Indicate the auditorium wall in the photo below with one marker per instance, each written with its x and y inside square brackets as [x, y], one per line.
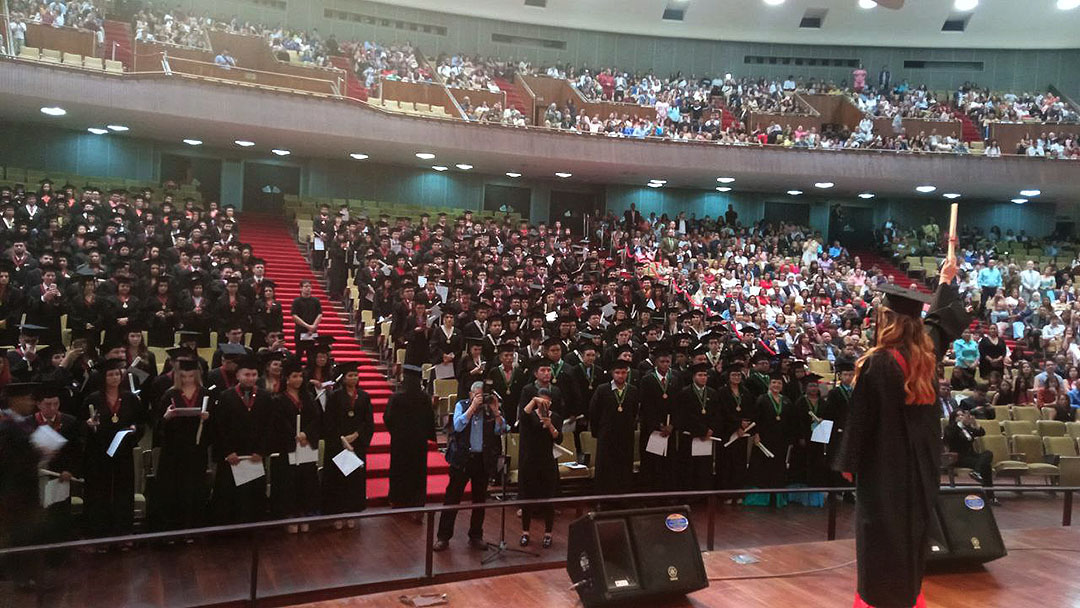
[1001, 69]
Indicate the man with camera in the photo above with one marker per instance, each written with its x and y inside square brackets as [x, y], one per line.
[960, 435]
[472, 451]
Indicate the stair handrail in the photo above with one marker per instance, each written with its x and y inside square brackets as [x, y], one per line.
[165, 67]
[9, 40]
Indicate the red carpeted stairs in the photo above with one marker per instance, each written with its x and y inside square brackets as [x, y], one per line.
[515, 97]
[271, 240]
[353, 87]
[118, 43]
[969, 131]
[727, 119]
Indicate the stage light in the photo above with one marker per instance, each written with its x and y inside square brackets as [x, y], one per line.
[439, 168]
[951, 195]
[281, 152]
[1067, 5]
[965, 5]
[425, 155]
[512, 174]
[1019, 201]
[53, 111]
[866, 195]
[794, 192]
[243, 143]
[117, 128]
[358, 156]
[98, 130]
[193, 142]
[824, 185]
[464, 166]
[867, 4]
[723, 189]
[725, 180]
[563, 175]
[925, 189]
[1030, 192]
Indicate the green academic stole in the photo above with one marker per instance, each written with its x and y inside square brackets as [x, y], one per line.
[778, 407]
[701, 397]
[620, 395]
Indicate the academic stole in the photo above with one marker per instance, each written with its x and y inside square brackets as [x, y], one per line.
[248, 403]
[555, 369]
[588, 375]
[620, 395]
[114, 407]
[778, 406]
[738, 400]
[352, 403]
[663, 380]
[701, 397]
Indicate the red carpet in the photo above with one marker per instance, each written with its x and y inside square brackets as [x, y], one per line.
[515, 97]
[118, 35]
[271, 240]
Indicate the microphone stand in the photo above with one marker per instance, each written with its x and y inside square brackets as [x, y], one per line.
[498, 549]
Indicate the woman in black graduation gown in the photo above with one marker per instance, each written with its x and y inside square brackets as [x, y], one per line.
[613, 420]
[11, 306]
[809, 460]
[294, 487]
[110, 480]
[697, 416]
[266, 315]
[180, 488]
[86, 311]
[538, 471]
[348, 423]
[892, 440]
[776, 430]
[161, 316]
[196, 309]
[409, 419]
[337, 270]
[736, 414]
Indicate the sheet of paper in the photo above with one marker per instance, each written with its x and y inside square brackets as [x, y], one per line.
[607, 310]
[442, 291]
[317, 244]
[421, 282]
[822, 432]
[187, 411]
[551, 316]
[444, 371]
[700, 447]
[47, 440]
[247, 471]
[347, 462]
[304, 454]
[139, 375]
[55, 491]
[117, 439]
[651, 305]
[304, 337]
[658, 444]
[550, 260]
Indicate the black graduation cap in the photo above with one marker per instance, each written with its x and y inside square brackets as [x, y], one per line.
[180, 352]
[552, 341]
[844, 365]
[625, 348]
[619, 364]
[700, 367]
[735, 367]
[907, 302]
[759, 356]
[507, 347]
[48, 352]
[49, 390]
[813, 378]
[292, 365]
[20, 389]
[269, 356]
[777, 375]
[29, 329]
[232, 352]
[713, 335]
[749, 329]
[699, 350]
[112, 364]
[322, 344]
[247, 362]
[539, 362]
[186, 335]
[188, 365]
[346, 367]
[111, 343]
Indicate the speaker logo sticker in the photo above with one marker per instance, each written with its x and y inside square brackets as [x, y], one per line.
[974, 502]
[677, 522]
[975, 544]
[673, 573]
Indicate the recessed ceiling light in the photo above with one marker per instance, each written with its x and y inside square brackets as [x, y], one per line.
[794, 192]
[951, 195]
[867, 3]
[824, 185]
[425, 155]
[117, 128]
[1067, 5]
[358, 156]
[725, 180]
[1019, 201]
[438, 168]
[193, 142]
[243, 143]
[1030, 192]
[281, 152]
[866, 195]
[53, 111]
[774, 2]
[563, 174]
[654, 185]
[723, 188]
[98, 130]
[512, 174]
[965, 5]
[658, 181]
[464, 166]
[925, 189]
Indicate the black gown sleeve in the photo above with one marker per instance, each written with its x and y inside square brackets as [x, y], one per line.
[871, 393]
[947, 318]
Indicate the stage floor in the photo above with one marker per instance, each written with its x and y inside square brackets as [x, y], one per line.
[1029, 577]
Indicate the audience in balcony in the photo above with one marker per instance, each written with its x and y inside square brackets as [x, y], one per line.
[478, 72]
[373, 62]
[172, 26]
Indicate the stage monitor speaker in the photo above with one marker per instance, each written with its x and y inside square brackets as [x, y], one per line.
[964, 531]
[619, 556]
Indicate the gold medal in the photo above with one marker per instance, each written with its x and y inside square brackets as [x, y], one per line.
[352, 413]
[115, 418]
[738, 408]
[778, 418]
[665, 395]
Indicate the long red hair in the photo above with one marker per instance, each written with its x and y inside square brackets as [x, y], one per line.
[906, 335]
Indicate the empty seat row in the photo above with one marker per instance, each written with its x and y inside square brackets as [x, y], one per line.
[71, 59]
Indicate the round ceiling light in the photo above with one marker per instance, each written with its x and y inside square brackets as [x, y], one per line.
[281, 152]
[512, 174]
[794, 192]
[463, 166]
[1067, 5]
[723, 189]
[53, 111]
[243, 143]
[117, 128]
[193, 142]
[867, 4]
[98, 130]
[866, 195]
[358, 156]
[1019, 201]
[774, 2]
[965, 5]
[439, 168]
[925, 189]
[824, 185]
[425, 155]
[563, 174]
[725, 180]
[951, 195]
[1031, 192]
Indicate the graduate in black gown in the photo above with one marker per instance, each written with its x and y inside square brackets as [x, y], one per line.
[538, 472]
[110, 480]
[613, 420]
[296, 423]
[697, 416]
[241, 424]
[67, 462]
[180, 489]
[737, 413]
[892, 440]
[659, 392]
[776, 430]
[810, 461]
[507, 379]
[348, 424]
[411, 423]
[835, 408]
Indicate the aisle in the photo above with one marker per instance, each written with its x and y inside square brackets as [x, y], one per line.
[272, 241]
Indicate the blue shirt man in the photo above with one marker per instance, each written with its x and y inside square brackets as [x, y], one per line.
[475, 421]
[990, 276]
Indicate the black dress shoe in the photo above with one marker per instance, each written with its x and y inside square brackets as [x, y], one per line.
[440, 545]
[477, 544]
[524, 542]
[976, 476]
[547, 542]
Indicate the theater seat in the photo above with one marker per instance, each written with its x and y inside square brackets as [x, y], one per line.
[30, 52]
[50, 55]
[1029, 413]
[1060, 446]
[1002, 412]
[1073, 429]
[1019, 427]
[1050, 428]
[93, 63]
[992, 427]
[1002, 464]
[1029, 448]
[1047, 413]
[75, 61]
[114, 67]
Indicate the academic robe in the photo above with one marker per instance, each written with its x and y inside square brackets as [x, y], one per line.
[735, 409]
[294, 488]
[777, 431]
[241, 424]
[411, 423]
[180, 491]
[613, 425]
[835, 408]
[508, 390]
[809, 460]
[110, 480]
[161, 329]
[265, 318]
[59, 526]
[439, 344]
[465, 375]
[345, 416]
[894, 451]
[538, 469]
[580, 383]
[531, 389]
[658, 409]
[696, 415]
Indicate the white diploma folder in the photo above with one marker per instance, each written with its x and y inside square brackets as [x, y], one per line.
[347, 462]
[701, 447]
[658, 444]
[822, 432]
[55, 491]
[247, 471]
[304, 454]
[117, 439]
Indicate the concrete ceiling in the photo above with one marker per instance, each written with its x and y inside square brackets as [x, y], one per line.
[1013, 24]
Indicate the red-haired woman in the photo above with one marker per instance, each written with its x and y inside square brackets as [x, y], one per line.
[892, 440]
